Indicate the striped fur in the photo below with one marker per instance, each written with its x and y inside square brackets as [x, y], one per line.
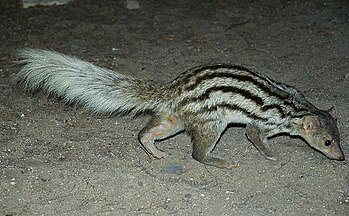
[255, 96]
[202, 101]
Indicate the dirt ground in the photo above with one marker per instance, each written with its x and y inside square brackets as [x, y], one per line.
[58, 160]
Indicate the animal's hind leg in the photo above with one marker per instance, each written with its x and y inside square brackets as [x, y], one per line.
[204, 138]
[158, 128]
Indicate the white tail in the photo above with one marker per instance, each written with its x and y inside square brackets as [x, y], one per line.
[98, 90]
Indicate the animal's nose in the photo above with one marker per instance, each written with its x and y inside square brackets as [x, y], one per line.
[341, 158]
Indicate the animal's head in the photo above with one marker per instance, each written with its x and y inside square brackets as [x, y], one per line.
[321, 132]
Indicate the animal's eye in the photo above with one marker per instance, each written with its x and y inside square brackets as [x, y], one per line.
[328, 142]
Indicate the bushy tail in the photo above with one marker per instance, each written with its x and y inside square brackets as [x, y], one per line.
[99, 90]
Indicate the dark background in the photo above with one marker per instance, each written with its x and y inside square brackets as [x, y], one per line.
[56, 159]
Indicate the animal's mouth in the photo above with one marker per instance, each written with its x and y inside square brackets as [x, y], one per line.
[336, 155]
[341, 158]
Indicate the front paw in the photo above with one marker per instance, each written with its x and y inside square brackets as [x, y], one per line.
[268, 154]
[272, 158]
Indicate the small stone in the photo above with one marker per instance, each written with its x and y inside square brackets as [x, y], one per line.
[188, 198]
[347, 76]
[132, 4]
[173, 168]
[13, 181]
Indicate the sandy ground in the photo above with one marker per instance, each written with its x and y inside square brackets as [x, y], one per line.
[58, 160]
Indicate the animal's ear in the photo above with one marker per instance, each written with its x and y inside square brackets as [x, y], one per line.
[310, 123]
[333, 112]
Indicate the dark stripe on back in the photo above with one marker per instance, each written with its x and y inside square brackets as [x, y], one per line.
[232, 107]
[274, 106]
[262, 82]
[188, 74]
[225, 89]
[244, 78]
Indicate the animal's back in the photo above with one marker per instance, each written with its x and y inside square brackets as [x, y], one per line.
[235, 92]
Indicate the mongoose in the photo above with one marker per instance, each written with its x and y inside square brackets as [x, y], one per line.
[202, 101]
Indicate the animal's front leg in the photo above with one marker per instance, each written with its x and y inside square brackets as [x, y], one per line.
[259, 138]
